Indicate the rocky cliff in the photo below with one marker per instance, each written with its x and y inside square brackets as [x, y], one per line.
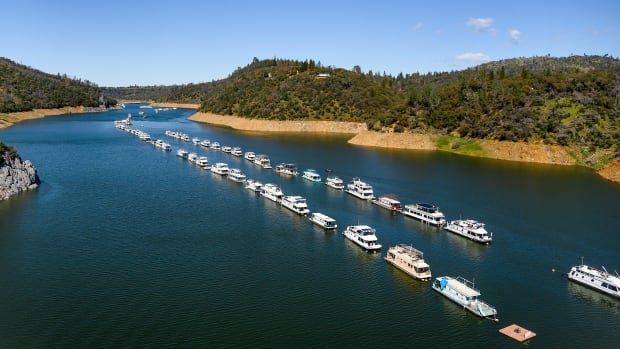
[16, 175]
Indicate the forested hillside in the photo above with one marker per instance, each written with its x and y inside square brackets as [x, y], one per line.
[568, 101]
[573, 100]
[23, 88]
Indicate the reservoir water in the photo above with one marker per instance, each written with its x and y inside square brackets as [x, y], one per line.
[124, 245]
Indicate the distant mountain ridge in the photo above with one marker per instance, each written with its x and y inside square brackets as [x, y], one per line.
[23, 88]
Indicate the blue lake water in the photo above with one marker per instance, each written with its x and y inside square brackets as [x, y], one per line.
[124, 245]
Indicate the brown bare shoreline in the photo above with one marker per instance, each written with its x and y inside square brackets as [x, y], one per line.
[511, 151]
[10, 119]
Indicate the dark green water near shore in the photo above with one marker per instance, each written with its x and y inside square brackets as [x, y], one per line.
[124, 245]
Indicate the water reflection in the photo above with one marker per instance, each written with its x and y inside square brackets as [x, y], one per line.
[584, 293]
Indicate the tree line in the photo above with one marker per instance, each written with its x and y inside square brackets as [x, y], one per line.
[23, 88]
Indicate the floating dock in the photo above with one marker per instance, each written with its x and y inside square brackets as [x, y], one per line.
[518, 333]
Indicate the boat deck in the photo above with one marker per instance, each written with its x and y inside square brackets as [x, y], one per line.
[462, 288]
[517, 333]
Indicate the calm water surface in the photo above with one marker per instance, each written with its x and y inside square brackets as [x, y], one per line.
[124, 245]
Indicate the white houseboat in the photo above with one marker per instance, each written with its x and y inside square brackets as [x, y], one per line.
[192, 157]
[470, 229]
[409, 260]
[287, 169]
[296, 204]
[220, 168]
[226, 149]
[253, 185]
[236, 151]
[249, 155]
[388, 202]
[311, 175]
[323, 221]
[205, 143]
[215, 145]
[426, 213]
[203, 162]
[462, 292]
[162, 145]
[272, 192]
[182, 153]
[364, 236]
[262, 161]
[334, 182]
[360, 189]
[599, 280]
[235, 175]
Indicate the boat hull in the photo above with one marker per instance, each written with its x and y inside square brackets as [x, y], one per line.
[595, 279]
[467, 233]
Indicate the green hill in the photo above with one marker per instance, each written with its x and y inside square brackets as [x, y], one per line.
[23, 88]
[568, 101]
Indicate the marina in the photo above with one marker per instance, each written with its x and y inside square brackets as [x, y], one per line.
[267, 228]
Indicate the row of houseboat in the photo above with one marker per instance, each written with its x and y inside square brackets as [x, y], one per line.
[404, 257]
[426, 213]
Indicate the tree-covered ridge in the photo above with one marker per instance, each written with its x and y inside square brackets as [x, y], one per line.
[23, 88]
[572, 100]
[286, 90]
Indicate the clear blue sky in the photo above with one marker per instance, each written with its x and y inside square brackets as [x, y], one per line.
[121, 43]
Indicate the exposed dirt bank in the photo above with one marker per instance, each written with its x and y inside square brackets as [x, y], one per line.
[245, 124]
[10, 119]
[611, 172]
[394, 140]
[527, 152]
[512, 151]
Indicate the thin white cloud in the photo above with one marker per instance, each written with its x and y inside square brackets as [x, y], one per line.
[515, 35]
[480, 24]
[473, 57]
[419, 26]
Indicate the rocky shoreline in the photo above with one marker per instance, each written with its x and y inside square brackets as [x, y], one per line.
[16, 175]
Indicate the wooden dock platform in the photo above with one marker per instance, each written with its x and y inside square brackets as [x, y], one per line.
[517, 333]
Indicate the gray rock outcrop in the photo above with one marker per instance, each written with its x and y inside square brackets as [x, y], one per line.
[16, 175]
